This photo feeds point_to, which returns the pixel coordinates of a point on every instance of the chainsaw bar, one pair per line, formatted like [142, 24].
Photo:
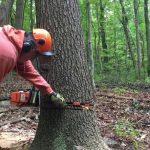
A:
[79, 105]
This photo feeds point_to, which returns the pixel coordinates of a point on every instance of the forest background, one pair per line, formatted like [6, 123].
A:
[116, 35]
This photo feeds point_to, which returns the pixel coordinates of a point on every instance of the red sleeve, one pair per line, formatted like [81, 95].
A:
[27, 71]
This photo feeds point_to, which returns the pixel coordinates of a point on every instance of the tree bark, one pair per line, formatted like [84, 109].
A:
[126, 31]
[89, 42]
[102, 29]
[147, 24]
[31, 15]
[19, 14]
[139, 60]
[5, 10]
[98, 48]
[66, 129]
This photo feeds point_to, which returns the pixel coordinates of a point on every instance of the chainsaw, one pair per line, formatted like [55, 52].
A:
[25, 97]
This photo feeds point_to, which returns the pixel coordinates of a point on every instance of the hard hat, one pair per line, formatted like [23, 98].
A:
[44, 41]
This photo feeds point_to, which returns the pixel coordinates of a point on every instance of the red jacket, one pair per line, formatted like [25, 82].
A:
[11, 41]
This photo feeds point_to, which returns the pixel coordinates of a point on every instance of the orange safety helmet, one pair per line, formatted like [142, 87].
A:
[44, 41]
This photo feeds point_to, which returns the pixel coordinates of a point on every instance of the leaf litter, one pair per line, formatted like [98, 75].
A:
[18, 124]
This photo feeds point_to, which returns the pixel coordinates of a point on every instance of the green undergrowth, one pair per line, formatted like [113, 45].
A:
[127, 131]
[119, 90]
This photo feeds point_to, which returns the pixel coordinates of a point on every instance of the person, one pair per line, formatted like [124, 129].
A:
[18, 48]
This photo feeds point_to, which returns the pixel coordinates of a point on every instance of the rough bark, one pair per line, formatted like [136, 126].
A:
[66, 129]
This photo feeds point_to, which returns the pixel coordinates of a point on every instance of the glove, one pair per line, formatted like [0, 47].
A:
[57, 99]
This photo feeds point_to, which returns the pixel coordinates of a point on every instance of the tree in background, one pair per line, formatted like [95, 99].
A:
[147, 24]
[125, 24]
[19, 14]
[66, 129]
[5, 11]
[89, 50]
[102, 30]
[139, 62]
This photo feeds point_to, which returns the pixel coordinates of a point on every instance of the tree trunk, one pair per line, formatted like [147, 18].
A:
[126, 31]
[137, 38]
[66, 129]
[89, 42]
[98, 48]
[5, 10]
[102, 29]
[147, 24]
[19, 14]
[117, 64]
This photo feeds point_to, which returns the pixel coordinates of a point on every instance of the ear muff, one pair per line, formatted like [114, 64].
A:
[26, 46]
[41, 41]
[29, 43]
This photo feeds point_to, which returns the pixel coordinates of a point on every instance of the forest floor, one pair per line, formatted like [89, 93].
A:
[123, 117]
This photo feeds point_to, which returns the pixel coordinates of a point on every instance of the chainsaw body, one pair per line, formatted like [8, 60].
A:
[27, 97]
[20, 97]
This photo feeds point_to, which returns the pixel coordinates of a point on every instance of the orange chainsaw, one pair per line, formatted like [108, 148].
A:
[25, 97]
